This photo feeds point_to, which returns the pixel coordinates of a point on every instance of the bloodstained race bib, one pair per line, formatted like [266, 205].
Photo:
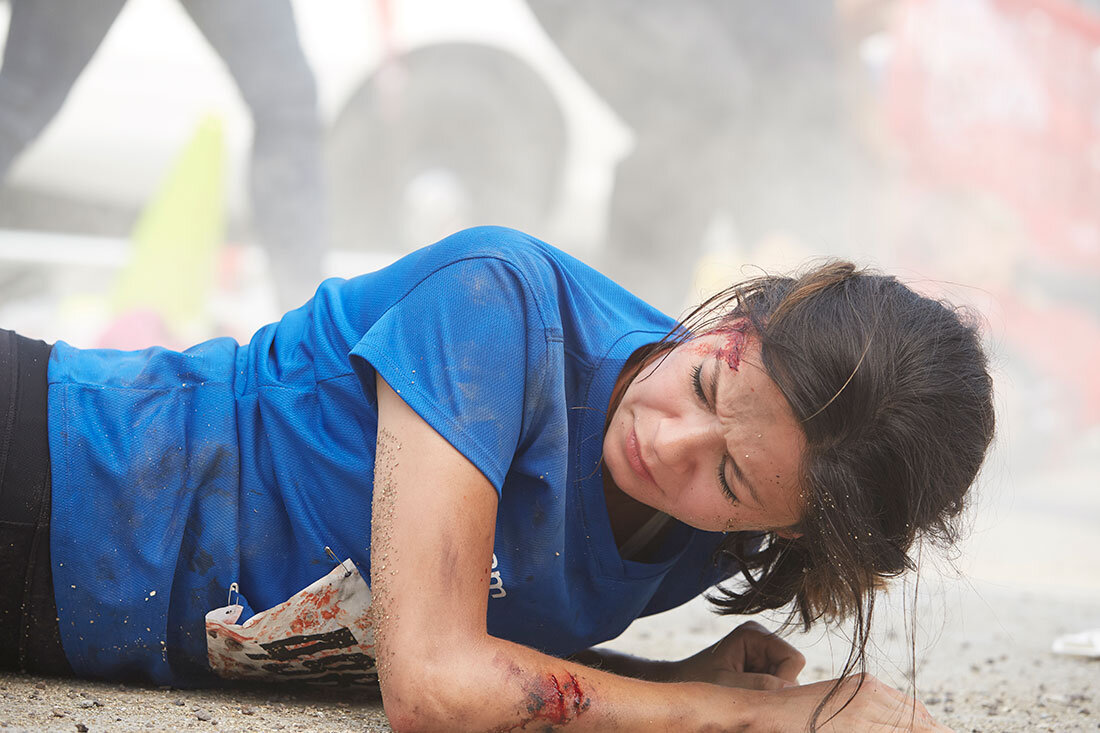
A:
[322, 635]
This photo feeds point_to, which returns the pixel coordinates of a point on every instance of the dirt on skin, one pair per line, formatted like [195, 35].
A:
[387, 450]
[983, 665]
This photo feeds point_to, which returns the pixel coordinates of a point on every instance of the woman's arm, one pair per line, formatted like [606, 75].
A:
[431, 548]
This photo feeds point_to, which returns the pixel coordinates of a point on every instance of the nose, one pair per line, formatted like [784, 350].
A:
[683, 441]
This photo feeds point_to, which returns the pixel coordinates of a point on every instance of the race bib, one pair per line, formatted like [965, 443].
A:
[322, 635]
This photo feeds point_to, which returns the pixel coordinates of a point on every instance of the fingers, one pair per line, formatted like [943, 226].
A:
[790, 666]
[764, 682]
[895, 707]
[752, 681]
[766, 652]
[862, 704]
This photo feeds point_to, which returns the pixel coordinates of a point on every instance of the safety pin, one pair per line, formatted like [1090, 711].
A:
[345, 564]
[233, 588]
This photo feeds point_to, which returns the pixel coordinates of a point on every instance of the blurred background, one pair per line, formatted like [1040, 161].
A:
[179, 169]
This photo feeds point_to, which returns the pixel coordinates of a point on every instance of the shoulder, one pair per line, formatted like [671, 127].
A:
[492, 264]
[488, 241]
[495, 247]
[493, 269]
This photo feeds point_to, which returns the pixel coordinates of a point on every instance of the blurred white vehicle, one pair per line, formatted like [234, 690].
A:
[439, 115]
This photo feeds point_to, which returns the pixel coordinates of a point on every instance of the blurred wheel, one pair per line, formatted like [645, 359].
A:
[443, 137]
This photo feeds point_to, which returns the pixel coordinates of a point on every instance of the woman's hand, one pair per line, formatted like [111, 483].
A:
[876, 707]
[750, 657]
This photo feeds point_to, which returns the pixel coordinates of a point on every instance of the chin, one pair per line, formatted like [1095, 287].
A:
[701, 525]
[641, 494]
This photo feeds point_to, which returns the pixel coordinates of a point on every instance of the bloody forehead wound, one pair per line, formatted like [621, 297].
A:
[734, 344]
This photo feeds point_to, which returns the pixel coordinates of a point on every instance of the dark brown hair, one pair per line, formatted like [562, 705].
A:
[893, 393]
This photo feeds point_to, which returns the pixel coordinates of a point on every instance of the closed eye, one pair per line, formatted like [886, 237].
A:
[726, 489]
[697, 384]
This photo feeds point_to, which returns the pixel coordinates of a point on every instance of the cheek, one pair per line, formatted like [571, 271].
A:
[611, 442]
[786, 476]
[703, 510]
[786, 502]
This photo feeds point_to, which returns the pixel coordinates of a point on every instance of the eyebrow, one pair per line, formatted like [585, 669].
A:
[737, 472]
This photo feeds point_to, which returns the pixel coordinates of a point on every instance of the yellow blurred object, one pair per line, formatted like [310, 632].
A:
[724, 263]
[176, 239]
[715, 271]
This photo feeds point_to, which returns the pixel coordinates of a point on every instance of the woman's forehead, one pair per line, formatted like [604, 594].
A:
[751, 400]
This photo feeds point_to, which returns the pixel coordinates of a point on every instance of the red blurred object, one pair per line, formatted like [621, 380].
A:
[1003, 97]
[138, 328]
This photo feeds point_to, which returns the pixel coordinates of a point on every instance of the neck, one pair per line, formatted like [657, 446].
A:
[626, 513]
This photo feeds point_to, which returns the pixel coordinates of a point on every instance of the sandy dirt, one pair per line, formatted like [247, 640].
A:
[46, 704]
[982, 652]
[983, 656]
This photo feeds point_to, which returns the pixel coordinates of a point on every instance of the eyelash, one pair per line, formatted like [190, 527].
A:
[724, 484]
[697, 385]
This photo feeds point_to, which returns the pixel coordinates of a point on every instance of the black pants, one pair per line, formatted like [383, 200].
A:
[29, 635]
[50, 43]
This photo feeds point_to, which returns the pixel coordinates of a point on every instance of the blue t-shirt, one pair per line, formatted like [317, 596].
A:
[178, 473]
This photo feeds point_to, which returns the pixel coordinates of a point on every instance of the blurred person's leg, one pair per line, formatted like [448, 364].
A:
[258, 41]
[49, 43]
[671, 73]
[666, 193]
[796, 140]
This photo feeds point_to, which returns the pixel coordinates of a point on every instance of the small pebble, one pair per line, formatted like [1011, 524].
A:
[81, 728]
[202, 715]
[58, 713]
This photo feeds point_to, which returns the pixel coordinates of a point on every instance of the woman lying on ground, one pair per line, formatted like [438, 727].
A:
[527, 458]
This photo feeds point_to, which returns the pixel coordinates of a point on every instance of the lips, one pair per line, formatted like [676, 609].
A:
[634, 457]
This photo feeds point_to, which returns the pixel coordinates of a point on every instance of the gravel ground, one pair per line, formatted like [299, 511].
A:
[983, 664]
[45, 704]
[983, 654]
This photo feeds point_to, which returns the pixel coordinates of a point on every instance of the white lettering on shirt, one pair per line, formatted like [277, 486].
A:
[496, 583]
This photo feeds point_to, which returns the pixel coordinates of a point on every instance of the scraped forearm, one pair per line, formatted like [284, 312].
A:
[508, 687]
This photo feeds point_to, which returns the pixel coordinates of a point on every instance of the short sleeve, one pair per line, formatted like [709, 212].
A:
[456, 349]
